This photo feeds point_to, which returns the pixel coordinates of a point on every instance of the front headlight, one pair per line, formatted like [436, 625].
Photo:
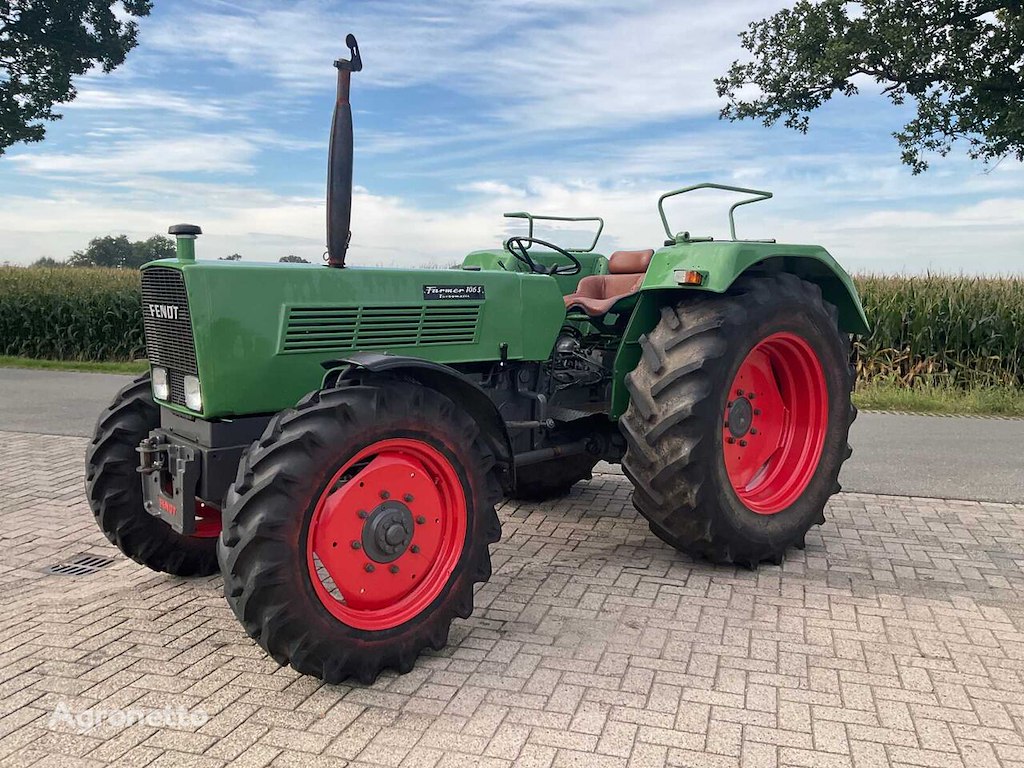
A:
[193, 395]
[161, 387]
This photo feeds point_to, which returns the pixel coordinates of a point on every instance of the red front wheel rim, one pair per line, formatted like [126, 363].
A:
[386, 534]
[208, 522]
[776, 419]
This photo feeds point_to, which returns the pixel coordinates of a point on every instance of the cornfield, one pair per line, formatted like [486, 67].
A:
[944, 330]
[71, 313]
[937, 329]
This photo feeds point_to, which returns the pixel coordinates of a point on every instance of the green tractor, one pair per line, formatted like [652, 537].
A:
[334, 439]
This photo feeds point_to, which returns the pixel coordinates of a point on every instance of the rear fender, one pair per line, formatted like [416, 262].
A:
[723, 262]
[448, 381]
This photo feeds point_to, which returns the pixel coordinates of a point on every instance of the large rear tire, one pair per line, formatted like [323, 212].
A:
[357, 527]
[114, 489]
[738, 420]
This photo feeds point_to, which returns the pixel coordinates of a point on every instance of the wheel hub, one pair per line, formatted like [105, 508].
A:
[741, 415]
[388, 532]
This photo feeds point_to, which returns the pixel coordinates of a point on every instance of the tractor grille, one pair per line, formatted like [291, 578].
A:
[169, 341]
[324, 329]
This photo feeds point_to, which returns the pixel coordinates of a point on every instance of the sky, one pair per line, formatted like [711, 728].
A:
[470, 108]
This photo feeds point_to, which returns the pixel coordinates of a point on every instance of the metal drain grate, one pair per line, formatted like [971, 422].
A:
[82, 565]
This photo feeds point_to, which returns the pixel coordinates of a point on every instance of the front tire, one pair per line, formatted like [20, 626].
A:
[357, 527]
[738, 420]
[114, 490]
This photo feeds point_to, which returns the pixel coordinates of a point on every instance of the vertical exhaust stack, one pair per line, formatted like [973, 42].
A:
[339, 171]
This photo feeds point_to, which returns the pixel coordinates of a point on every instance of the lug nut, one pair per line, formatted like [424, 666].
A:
[369, 568]
[743, 443]
[751, 396]
[362, 514]
[739, 393]
[732, 440]
[385, 495]
[393, 569]
[729, 404]
[356, 545]
[757, 411]
[753, 431]
[421, 520]
[415, 548]
[408, 498]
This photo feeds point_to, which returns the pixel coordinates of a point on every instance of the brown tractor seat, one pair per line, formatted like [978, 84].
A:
[596, 294]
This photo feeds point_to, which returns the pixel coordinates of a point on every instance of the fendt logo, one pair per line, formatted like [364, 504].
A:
[164, 311]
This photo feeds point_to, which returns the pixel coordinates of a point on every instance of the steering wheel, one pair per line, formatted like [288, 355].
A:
[519, 247]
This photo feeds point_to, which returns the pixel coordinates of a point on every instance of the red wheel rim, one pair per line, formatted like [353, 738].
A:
[208, 522]
[386, 534]
[776, 419]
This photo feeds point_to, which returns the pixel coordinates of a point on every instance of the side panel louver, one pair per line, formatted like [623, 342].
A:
[327, 329]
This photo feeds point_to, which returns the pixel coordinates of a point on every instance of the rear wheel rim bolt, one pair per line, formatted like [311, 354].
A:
[414, 549]
[385, 495]
[393, 569]
[356, 545]
[408, 498]
[369, 568]
[362, 514]
[421, 520]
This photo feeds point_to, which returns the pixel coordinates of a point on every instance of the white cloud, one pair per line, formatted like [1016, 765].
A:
[106, 99]
[390, 230]
[619, 69]
[196, 153]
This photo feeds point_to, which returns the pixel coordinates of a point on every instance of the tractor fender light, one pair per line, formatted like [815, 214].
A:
[193, 394]
[689, 277]
[161, 385]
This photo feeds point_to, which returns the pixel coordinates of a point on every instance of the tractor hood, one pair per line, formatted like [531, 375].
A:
[255, 335]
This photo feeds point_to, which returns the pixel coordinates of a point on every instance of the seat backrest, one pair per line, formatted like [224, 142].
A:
[630, 262]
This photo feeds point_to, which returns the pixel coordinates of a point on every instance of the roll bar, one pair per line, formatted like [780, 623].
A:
[759, 195]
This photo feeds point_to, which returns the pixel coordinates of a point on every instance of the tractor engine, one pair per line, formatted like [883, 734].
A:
[573, 365]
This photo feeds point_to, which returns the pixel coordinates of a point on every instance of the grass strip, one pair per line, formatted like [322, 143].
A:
[976, 401]
[130, 367]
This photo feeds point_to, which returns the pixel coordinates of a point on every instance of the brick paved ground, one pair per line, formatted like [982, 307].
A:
[896, 638]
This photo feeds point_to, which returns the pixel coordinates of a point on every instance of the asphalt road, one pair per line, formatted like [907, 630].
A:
[902, 455]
